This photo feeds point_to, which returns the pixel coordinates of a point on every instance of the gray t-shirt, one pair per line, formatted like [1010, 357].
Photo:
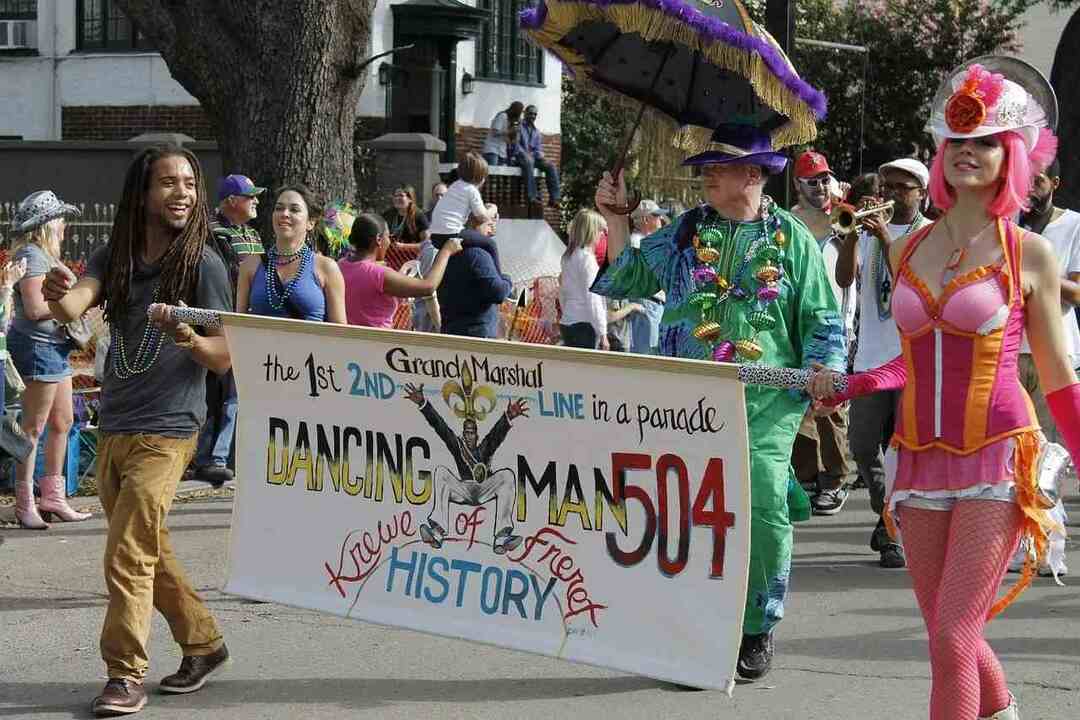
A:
[169, 398]
[38, 263]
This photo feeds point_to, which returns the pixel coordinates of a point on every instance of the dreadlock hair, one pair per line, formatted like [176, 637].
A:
[180, 263]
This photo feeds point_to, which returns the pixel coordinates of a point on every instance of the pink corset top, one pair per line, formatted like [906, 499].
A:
[960, 351]
[973, 306]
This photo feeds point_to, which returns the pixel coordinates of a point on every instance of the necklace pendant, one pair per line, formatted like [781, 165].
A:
[748, 349]
[724, 352]
[768, 274]
[707, 331]
[955, 259]
[761, 320]
[709, 236]
[707, 255]
[768, 293]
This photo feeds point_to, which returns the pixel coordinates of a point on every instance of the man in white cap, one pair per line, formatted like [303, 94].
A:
[905, 182]
[647, 218]
[1062, 228]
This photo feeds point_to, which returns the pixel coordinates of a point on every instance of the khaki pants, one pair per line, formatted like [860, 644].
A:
[1029, 378]
[137, 477]
[821, 453]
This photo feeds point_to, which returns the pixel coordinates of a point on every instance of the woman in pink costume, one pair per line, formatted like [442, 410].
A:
[967, 287]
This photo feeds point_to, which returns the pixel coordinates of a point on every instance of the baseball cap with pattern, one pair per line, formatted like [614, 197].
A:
[237, 185]
[811, 164]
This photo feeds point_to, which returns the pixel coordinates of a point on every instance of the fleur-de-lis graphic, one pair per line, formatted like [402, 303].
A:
[476, 401]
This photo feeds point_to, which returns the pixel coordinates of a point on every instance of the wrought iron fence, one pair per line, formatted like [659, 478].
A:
[84, 234]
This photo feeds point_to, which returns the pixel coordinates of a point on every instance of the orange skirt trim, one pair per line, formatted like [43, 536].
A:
[1036, 523]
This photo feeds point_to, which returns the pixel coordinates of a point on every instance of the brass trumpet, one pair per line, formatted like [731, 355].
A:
[846, 219]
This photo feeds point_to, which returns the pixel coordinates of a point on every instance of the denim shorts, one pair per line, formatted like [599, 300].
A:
[38, 360]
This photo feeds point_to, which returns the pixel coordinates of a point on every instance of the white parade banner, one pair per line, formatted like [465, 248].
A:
[584, 505]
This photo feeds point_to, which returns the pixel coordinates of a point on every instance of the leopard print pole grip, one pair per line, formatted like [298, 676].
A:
[785, 378]
[198, 317]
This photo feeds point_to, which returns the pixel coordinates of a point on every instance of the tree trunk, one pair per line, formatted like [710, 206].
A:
[278, 78]
[1065, 78]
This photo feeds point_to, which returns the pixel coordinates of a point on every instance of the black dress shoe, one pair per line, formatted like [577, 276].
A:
[880, 537]
[755, 656]
[216, 475]
[892, 557]
[194, 671]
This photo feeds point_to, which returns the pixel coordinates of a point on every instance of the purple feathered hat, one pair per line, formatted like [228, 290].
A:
[740, 145]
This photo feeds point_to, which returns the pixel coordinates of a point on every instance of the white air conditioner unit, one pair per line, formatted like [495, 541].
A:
[17, 34]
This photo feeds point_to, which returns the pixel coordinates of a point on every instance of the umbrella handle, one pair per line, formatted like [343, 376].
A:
[633, 200]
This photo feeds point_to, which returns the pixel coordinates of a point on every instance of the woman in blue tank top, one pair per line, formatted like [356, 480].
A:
[291, 280]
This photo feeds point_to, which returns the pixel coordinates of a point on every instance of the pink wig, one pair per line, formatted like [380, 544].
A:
[1016, 173]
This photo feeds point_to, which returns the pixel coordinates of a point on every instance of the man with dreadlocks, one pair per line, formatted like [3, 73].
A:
[153, 404]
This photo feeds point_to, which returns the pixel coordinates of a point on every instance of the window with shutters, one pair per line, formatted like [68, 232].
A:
[503, 52]
[103, 27]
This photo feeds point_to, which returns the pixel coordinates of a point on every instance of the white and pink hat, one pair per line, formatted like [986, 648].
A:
[993, 94]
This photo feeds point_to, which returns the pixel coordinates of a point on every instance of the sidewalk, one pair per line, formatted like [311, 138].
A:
[187, 490]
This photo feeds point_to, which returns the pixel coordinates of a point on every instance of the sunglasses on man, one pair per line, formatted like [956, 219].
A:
[815, 182]
[899, 187]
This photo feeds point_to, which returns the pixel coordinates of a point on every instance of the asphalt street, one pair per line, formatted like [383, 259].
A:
[852, 647]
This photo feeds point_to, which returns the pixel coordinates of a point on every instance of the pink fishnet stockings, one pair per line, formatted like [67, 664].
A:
[957, 560]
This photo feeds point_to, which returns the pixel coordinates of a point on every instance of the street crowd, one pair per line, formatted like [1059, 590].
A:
[941, 297]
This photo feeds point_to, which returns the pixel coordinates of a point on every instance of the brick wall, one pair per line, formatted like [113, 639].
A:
[508, 193]
[122, 122]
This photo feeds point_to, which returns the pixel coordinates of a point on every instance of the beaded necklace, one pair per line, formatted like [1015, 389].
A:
[882, 276]
[277, 300]
[281, 258]
[716, 296]
[145, 356]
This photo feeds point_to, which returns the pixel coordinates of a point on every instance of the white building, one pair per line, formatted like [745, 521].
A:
[1041, 34]
[79, 70]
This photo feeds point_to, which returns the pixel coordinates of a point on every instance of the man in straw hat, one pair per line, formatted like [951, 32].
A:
[744, 282]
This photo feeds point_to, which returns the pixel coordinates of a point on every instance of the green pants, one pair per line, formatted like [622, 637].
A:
[776, 499]
[770, 568]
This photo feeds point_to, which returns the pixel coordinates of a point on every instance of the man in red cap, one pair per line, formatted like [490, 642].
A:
[821, 456]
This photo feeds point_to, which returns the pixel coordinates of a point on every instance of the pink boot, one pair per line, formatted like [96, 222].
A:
[54, 500]
[26, 512]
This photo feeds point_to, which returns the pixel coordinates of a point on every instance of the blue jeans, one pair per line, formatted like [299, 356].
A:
[551, 177]
[216, 437]
[494, 160]
[645, 328]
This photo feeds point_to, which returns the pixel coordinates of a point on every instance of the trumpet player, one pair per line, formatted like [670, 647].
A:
[821, 456]
[865, 254]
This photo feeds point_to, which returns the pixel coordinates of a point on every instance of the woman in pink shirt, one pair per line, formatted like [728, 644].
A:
[371, 288]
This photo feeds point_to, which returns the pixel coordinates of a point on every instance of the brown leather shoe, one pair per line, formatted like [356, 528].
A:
[194, 671]
[120, 697]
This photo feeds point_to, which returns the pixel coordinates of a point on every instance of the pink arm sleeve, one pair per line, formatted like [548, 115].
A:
[890, 376]
[1064, 404]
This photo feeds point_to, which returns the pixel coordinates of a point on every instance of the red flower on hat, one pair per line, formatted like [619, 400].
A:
[964, 112]
[968, 107]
